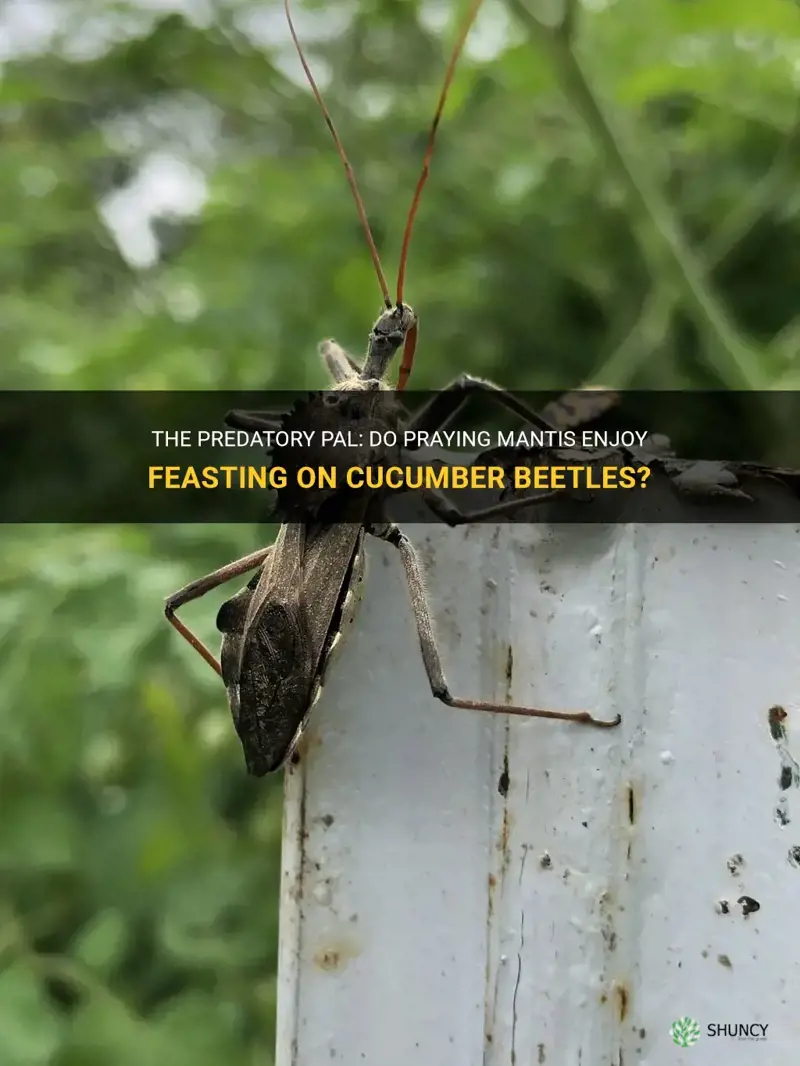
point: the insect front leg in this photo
(446, 511)
(195, 589)
(341, 365)
(430, 651)
(570, 410)
(445, 405)
(255, 420)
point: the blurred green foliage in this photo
(622, 206)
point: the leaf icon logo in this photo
(685, 1032)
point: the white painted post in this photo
(428, 920)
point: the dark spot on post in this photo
(723, 960)
(607, 929)
(295, 759)
(794, 857)
(723, 907)
(327, 820)
(782, 815)
(631, 805)
(748, 905)
(735, 863)
(642, 1034)
(785, 780)
(504, 835)
(509, 672)
(337, 955)
(327, 960)
(776, 716)
(622, 1001)
(540, 1054)
(545, 862)
(609, 935)
(296, 889)
(505, 778)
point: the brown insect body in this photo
(281, 632)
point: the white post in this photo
(427, 919)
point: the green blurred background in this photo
(619, 206)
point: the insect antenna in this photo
(351, 178)
(411, 338)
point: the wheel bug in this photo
(280, 632)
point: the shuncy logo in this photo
(685, 1032)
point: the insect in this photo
(281, 631)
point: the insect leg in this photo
(340, 363)
(195, 589)
(255, 420)
(447, 511)
(576, 408)
(430, 652)
(573, 409)
(446, 404)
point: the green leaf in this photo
(30, 1029)
(37, 834)
(104, 1033)
(102, 940)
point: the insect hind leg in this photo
(430, 651)
(199, 587)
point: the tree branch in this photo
(663, 245)
(567, 27)
(652, 324)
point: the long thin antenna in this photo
(408, 351)
(351, 178)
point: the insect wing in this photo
(327, 569)
(275, 634)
